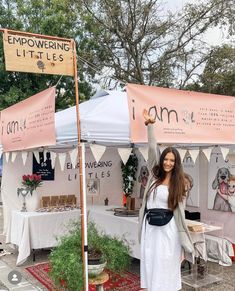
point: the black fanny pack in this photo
(158, 216)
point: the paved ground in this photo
(29, 283)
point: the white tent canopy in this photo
(103, 120)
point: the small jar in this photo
(106, 201)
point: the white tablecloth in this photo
(119, 226)
(127, 228)
(36, 230)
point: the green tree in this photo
(55, 17)
(142, 43)
(218, 76)
(134, 41)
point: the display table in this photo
(127, 228)
(37, 230)
(119, 226)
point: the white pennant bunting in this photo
(231, 158)
(182, 153)
(62, 159)
(13, 156)
(73, 156)
(97, 151)
(144, 152)
(194, 154)
(124, 154)
(44, 155)
(24, 157)
(36, 155)
(207, 153)
(224, 152)
(53, 159)
(7, 155)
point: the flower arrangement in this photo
(32, 181)
(129, 174)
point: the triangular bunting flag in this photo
(207, 153)
(231, 158)
(224, 152)
(194, 154)
(7, 155)
(144, 152)
(124, 154)
(182, 153)
(45, 155)
(73, 156)
(36, 155)
(97, 151)
(53, 159)
(13, 156)
(24, 157)
(62, 159)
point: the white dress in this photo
(160, 249)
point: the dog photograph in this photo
(221, 185)
(191, 171)
(93, 187)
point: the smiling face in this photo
(231, 187)
(169, 162)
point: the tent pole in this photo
(83, 148)
(81, 179)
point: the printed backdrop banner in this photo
(181, 116)
(221, 182)
(30, 123)
(192, 169)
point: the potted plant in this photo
(66, 258)
(129, 176)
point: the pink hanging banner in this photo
(181, 116)
(29, 123)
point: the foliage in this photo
(129, 174)
(66, 258)
(32, 181)
(135, 41)
(218, 76)
(56, 18)
(145, 44)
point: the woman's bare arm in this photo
(152, 145)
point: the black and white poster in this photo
(44, 167)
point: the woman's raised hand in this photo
(148, 118)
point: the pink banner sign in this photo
(181, 116)
(29, 123)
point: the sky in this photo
(214, 36)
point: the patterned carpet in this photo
(125, 282)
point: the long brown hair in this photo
(177, 181)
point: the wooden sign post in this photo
(43, 54)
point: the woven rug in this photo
(125, 282)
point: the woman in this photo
(161, 246)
